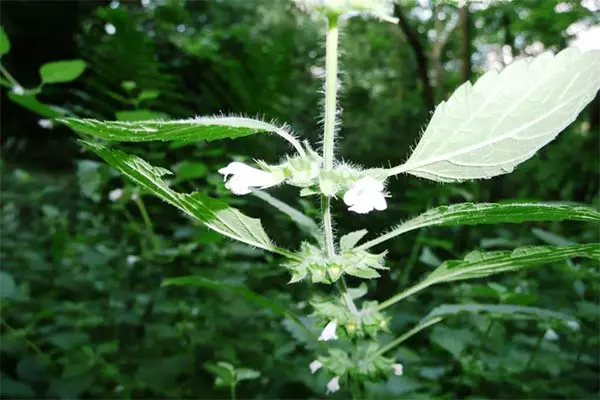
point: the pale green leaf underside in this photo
(500, 310)
(488, 128)
(490, 213)
(185, 130)
(213, 213)
(478, 264)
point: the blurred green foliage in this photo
(83, 310)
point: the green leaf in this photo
(9, 388)
(349, 240)
(490, 213)
(478, 264)
(62, 71)
(488, 128)
(4, 42)
(148, 94)
(213, 213)
(188, 170)
(249, 295)
(199, 128)
(499, 310)
(304, 222)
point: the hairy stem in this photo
(331, 68)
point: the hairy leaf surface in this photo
(213, 213)
(490, 213)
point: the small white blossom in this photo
(45, 123)
(329, 331)
(315, 366)
(365, 195)
(398, 369)
(551, 335)
(18, 90)
(574, 325)
(245, 178)
(115, 194)
(333, 385)
(134, 197)
(131, 259)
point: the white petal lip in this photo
(333, 385)
(398, 369)
(365, 196)
(329, 331)
(245, 178)
(315, 366)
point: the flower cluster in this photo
(363, 191)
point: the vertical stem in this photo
(8, 76)
(331, 70)
(538, 344)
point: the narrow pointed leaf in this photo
(478, 264)
(183, 130)
(213, 213)
(304, 222)
(500, 310)
(488, 128)
(490, 213)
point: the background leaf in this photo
(62, 71)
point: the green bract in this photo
(315, 264)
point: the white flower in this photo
(18, 90)
(398, 369)
(365, 195)
(333, 385)
(131, 259)
(551, 335)
(315, 366)
(329, 331)
(45, 123)
(574, 325)
(245, 178)
(115, 194)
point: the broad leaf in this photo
(501, 310)
(213, 213)
(31, 103)
(490, 213)
(478, 264)
(249, 295)
(488, 128)
(183, 130)
(4, 42)
(62, 71)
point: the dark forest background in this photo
(83, 311)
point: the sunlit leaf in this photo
(62, 71)
(488, 128)
(490, 213)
